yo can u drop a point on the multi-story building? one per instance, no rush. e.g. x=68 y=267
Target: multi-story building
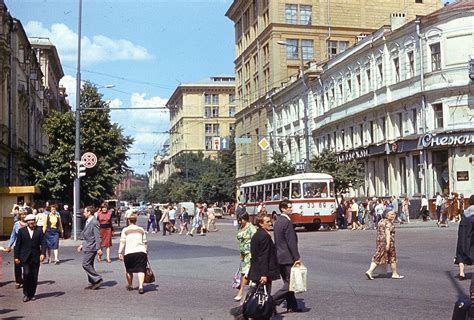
x=309 y=30
x=160 y=169
x=200 y=113
x=400 y=101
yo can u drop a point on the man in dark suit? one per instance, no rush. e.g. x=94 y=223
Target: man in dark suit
x=91 y=246
x=29 y=251
x=286 y=242
x=66 y=220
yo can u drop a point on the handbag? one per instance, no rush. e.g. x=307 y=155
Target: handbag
x=149 y=275
x=258 y=304
x=298 y=276
x=237 y=278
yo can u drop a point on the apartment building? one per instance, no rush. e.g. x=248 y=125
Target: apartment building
x=202 y=116
x=400 y=101
x=272 y=38
x=160 y=168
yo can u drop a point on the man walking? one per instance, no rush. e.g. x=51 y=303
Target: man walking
x=91 y=246
x=66 y=220
x=439 y=203
x=286 y=242
x=29 y=251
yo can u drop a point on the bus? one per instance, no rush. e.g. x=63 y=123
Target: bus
x=312 y=195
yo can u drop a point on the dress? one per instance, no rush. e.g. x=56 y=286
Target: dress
x=244 y=236
x=52 y=228
x=381 y=255
x=465 y=244
x=105 y=221
x=133 y=240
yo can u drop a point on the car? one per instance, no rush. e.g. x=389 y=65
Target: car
x=218 y=212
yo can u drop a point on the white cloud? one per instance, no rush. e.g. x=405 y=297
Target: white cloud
x=97 y=49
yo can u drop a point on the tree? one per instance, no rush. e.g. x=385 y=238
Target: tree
x=98 y=135
x=278 y=167
x=346 y=174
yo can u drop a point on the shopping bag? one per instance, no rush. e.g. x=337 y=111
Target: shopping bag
x=149 y=275
x=298 y=278
x=258 y=304
x=237 y=278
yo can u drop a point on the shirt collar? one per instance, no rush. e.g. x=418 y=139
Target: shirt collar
x=286 y=216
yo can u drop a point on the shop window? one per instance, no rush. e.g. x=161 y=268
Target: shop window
x=416 y=175
x=438 y=115
x=403 y=175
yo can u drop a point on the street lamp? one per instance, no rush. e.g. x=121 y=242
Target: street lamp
x=305 y=102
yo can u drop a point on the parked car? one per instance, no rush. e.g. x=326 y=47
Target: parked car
x=218 y=212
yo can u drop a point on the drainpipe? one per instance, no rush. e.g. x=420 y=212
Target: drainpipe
x=423 y=104
x=10 y=106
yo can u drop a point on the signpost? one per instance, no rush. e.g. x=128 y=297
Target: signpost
x=216 y=143
x=264 y=144
x=89 y=160
x=243 y=140
x=225 y=143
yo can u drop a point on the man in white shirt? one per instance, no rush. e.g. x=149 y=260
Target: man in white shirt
x=424 y=208
x=439 y=203
x=128 y=214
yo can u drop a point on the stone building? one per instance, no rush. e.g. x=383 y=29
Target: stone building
x=272 y=39
x=400 y=101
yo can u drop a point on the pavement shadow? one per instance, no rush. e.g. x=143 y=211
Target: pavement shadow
x=3 y=311
x=12 y=318
x=50 y=294
x=46 y=282
x=5 y=283
x=109 y=284
x=151 y=287
x=455 y=282
x=65 y=260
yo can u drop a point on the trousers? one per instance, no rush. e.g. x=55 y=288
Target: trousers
x=88 y=266
x=30 y=278
x=284 y=293
x=18 y=276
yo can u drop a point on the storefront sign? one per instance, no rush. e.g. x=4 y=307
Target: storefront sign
x=351 y=155
x=460 y=139
x=462 y=175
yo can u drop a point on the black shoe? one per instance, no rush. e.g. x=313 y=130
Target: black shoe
x=290 y=310
x=97 y=284
x=26 y=299
x=18 y=285
x=141 y=291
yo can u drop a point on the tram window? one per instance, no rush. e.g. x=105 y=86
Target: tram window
x=295 y=190
x=268 y=192
x=285 y=190
x=276 y=191
x=260 y=193
x=253 y=194
x=315 y=190
x=331 y=189
x=244 y=195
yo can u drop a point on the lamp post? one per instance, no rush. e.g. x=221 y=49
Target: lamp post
x=305 y=102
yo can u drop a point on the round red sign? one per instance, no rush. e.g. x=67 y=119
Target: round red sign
x=89 y=159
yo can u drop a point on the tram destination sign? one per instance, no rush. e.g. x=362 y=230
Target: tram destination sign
x=442 y=140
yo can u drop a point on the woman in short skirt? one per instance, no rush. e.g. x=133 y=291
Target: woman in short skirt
x=133 y=251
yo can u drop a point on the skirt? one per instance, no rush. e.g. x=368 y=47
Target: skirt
x=135 y=262
x=52 y=238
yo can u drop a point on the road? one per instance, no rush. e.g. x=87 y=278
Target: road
x=194 y=276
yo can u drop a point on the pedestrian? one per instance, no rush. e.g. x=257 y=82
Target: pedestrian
x=172 y=217
x=40 y=217
x=197 y=220
x=15 y=212
x=106 y=230
x=385 y=252
x=211 y=218
x=158 y=215
x=340 y=221
x=28 y=208
x=29 y=252
x=151 y=221
x=455 y=208
x=118 y=216
x=244 y=237
x=183 y=220
x=53 y=229
x=465 y=244
x=379 y=209
x=354 y=209
x=128 y=214
x=444 y=212
x=165 y=220
x=66 y=221
x=406 y=210
x=394 y=202
x=362 y=214
x=286 y=242
x=424 y=208
x=21 y=223
x=264 y=266
x=91 y=246
x=438 y=203
x=133 y=252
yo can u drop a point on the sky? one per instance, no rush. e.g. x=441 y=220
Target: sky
x=145 y=48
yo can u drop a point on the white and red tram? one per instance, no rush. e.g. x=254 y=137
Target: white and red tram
x=312 y=195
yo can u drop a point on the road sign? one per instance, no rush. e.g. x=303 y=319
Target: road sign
x=81 y=169
x=263 y=144
x=243 y=140
x=89 y=159
x=225 y=143
x=216 y=143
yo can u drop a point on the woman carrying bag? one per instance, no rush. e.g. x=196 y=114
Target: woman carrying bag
x=133 y=251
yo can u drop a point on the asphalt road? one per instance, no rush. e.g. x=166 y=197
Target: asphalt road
x=194 y=276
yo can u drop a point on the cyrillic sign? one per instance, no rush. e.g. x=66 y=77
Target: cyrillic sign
x=460 y=139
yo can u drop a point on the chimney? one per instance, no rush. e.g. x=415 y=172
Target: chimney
x=397 y=20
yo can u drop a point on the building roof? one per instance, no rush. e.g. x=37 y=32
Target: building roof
x=45 y=43
x=221 y=80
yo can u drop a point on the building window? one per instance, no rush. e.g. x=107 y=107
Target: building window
x=211 y=99
x=215 y=129
x=361 y=134
x=403 y=176
x=305 y=14
x=418 y=1
x=343 y=139
x=416 y=175
x=231 y=111
x=396 y=67
x=308 y=49
x=340 y=94
x=358 y=84
x=207 y=112
x=368 y=77
x=400 y=124
x=232 y=98
x=371 y=131
x=332 y=49
x=231 y=127
x=438 y=115
x=343 y=45
x=383 y=128
x=208 y=143
x=291 y=13
x=411 y=64
x=208 y=128
x=385 y=176
x=435 y=56
x=292 y=50
x=415 y=121
x=215 y=112
x=380 y=69
x=352 y=137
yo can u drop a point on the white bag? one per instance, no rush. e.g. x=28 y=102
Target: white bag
x=298 y=279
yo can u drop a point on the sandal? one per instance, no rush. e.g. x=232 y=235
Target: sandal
x=129 y=288
x=398 y=277
x=461 y=278
x=369 y=276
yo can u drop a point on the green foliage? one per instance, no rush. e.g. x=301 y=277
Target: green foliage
x=345 y=174
x=98 y=135
x=277 y=168
x=135 y=194
x=199 y=178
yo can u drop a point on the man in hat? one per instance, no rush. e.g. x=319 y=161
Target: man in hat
x=29 y=252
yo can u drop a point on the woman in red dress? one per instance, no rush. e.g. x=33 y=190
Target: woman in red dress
x=105 y=220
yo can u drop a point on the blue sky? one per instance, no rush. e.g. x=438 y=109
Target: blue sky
x=143 y=47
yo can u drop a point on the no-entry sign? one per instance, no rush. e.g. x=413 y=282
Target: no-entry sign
x=89 y=159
